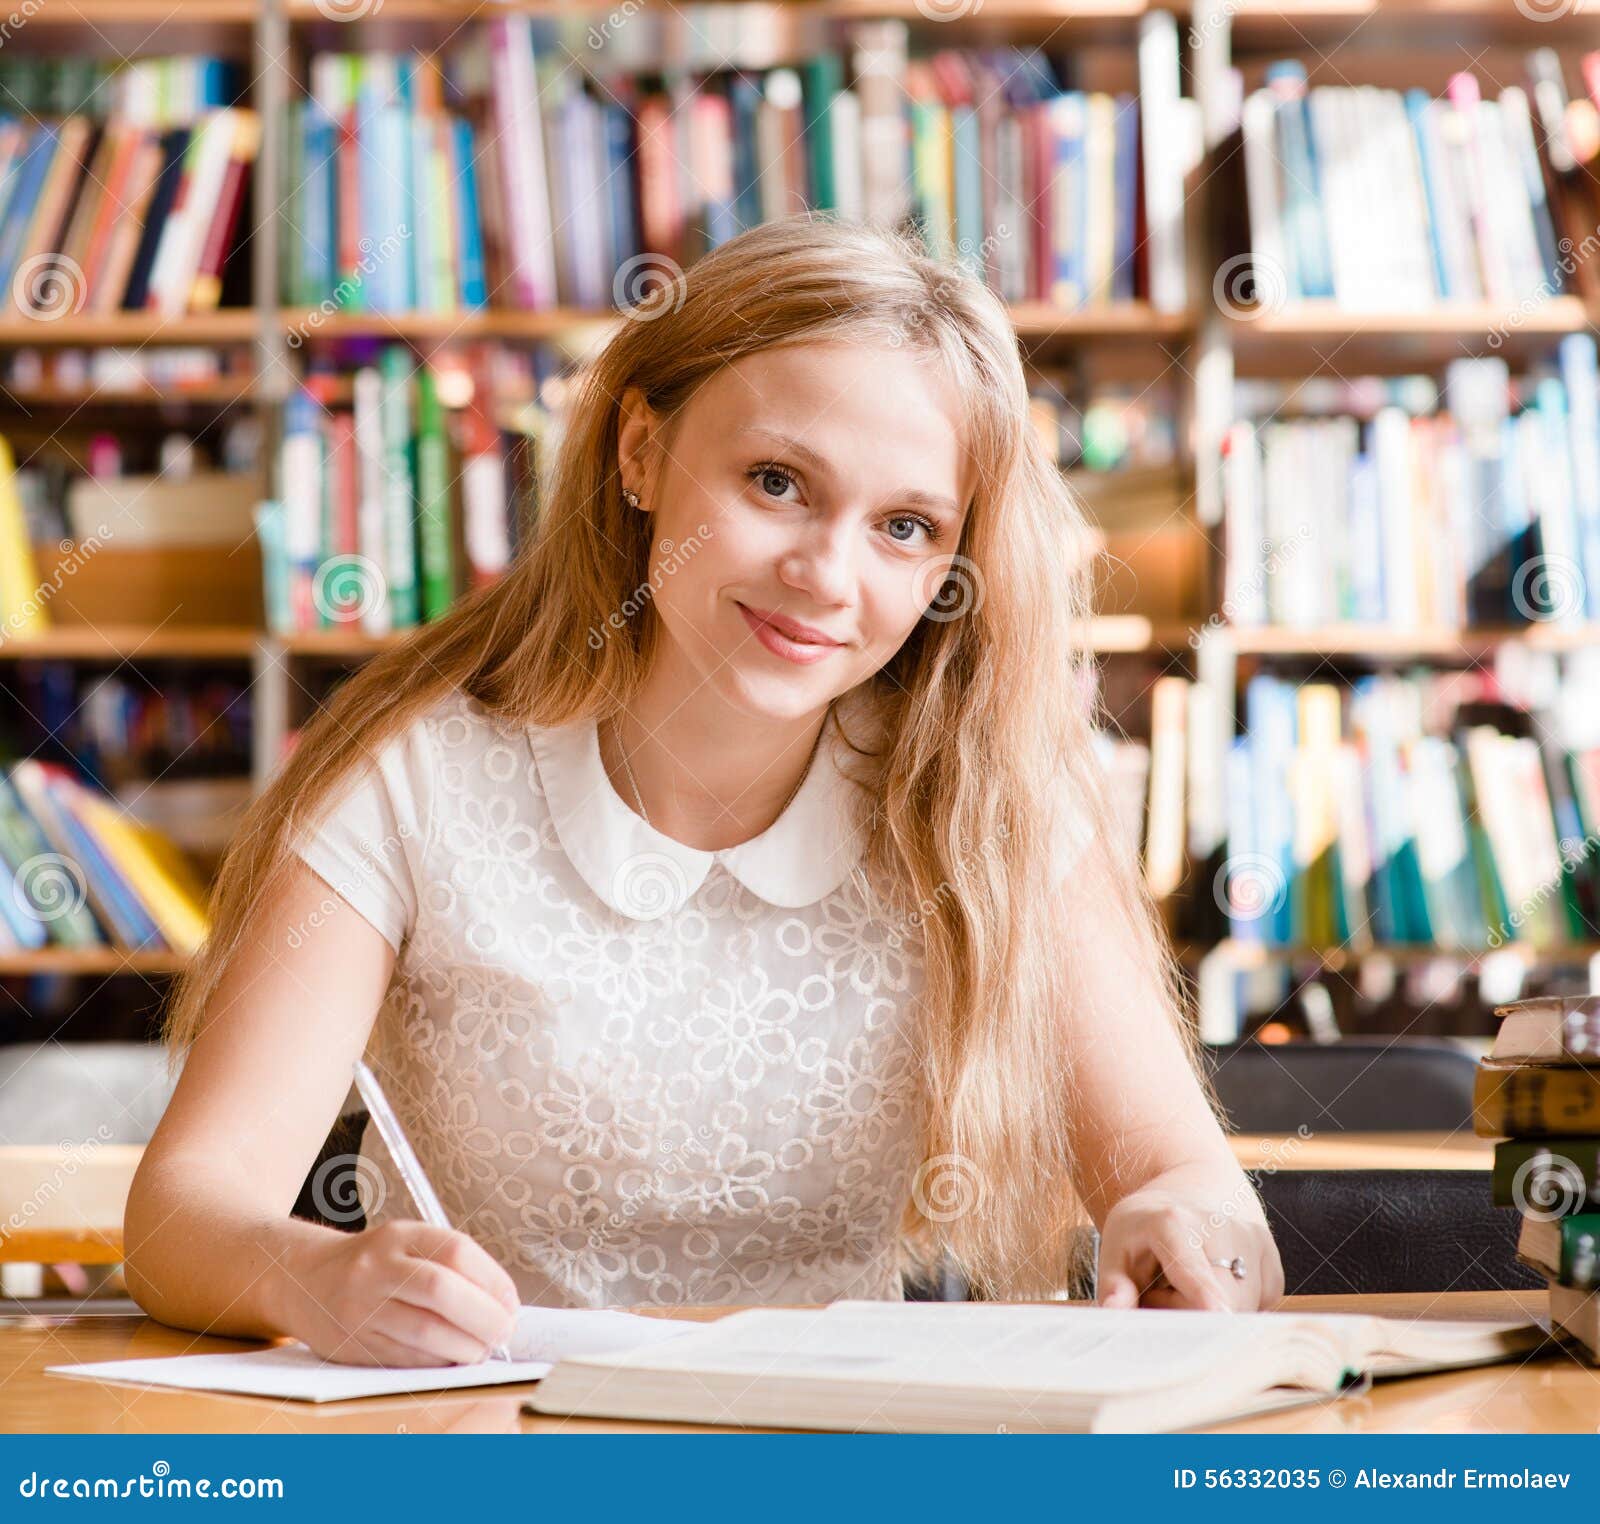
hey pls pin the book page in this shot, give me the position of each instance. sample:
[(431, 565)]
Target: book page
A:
[(1061, 1347), (542, 1336)]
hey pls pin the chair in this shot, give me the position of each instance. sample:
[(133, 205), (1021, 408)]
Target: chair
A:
[(1414, 1085), (331, 1181), (1384, 1230)]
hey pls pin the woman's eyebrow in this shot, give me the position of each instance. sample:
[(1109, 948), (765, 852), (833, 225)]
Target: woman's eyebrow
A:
[(932, 501)]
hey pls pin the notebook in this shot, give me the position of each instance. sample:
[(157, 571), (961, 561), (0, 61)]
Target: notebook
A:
[(543, 1335), (917, 1366)]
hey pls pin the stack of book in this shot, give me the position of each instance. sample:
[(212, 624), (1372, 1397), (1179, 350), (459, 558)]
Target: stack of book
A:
[(84, 873), (380, 518), (1401, 506), (443, 182), (1408, 810), (135, 210), (1539, 1092)]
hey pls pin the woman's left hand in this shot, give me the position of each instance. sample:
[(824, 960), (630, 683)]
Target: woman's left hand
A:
[(1160, 1245)]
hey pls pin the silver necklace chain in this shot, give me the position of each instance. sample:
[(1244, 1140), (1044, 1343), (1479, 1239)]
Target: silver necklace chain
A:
[(638, 799)]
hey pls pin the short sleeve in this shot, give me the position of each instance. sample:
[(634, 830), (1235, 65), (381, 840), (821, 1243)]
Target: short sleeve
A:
[(366, 841)]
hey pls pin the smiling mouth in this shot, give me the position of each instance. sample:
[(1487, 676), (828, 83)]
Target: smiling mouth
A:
[(791, 647)]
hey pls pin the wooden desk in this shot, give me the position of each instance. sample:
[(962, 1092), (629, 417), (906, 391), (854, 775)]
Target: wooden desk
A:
[(1363, 1150), (1551, 1394)]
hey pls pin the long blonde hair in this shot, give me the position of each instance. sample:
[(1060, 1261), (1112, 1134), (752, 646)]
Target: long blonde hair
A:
[(987, 708)]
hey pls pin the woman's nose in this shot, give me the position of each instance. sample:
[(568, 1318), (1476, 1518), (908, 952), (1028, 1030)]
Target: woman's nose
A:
[(822, 565)]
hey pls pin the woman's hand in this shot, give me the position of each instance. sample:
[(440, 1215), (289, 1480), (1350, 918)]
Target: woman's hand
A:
[(401, 1294), (1159, 1245)]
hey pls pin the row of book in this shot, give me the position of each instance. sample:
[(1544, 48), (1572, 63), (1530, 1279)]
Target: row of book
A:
[(106, 216), (113, 371), (1408, 810), (502, 174), (84, 873), (381, 516), (1538, 1093), (1484, 509), (1389, 199), (148, 92)]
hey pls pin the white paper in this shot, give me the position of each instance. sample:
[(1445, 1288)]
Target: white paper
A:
[(542, 1336)]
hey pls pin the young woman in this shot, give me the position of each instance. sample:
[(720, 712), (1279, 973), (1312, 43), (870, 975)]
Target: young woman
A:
[(728, 899)]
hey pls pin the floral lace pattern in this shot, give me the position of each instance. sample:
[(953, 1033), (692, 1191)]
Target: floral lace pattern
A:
[(709, 1098)]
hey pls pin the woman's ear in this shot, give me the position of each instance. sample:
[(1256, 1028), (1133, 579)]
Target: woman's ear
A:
[(636, 437)]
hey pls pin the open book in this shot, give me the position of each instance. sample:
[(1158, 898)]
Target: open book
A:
[(910, 1366)]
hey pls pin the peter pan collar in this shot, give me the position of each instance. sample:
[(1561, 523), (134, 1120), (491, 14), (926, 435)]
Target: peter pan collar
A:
[(638, 871)]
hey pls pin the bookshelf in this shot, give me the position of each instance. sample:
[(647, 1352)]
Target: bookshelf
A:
[(1205, 347)]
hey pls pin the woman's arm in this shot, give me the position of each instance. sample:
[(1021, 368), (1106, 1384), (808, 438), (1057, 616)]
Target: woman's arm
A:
[(210, 1244), (1153, 1165)]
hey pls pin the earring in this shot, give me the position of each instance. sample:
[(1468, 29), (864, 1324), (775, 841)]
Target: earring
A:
[(630, 497)]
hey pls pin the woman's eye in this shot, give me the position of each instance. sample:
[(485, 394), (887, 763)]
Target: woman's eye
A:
[(911, 522), (765, 475)]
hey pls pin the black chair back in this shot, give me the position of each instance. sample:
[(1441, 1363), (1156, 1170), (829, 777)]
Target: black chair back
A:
[(1349, 1086)]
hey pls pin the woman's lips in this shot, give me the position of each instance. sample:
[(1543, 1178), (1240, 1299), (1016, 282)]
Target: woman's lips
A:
[(775, 640)]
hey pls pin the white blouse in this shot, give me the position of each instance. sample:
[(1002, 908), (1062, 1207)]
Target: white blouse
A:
[(635, 1072)]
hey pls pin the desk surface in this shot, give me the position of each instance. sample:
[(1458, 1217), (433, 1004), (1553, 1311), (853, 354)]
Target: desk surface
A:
[(1551, 1394)]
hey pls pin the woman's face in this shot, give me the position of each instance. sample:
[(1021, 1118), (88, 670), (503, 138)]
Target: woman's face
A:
[(803, 516)]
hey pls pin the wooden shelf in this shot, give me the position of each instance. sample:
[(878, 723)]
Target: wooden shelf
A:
[(1291, 23), (1252, 955), (340, 642), (170, 642), (1381, 643), (453, 12), (211, 394), (232, 326), (1329, 321), (90, 960), (145, 13), (1033, 320), (313, 325)]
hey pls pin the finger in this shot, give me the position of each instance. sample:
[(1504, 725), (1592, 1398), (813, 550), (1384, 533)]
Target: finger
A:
[(440, 1290), (1191, 1274), (463, 1254), (433, 1339), (371, 1348), (1116, 1290)]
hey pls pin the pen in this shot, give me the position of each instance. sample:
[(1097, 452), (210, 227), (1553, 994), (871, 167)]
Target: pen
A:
[(406, 1160)]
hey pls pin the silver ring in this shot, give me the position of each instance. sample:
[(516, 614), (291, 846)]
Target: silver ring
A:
[(1234, 1266)]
